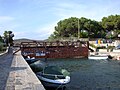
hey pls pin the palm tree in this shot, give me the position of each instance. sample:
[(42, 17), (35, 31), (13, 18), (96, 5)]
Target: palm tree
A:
[(8, 36)]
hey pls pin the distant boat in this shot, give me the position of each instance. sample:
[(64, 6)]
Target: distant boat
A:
[(53, 76), (98, 57), (30, 60)]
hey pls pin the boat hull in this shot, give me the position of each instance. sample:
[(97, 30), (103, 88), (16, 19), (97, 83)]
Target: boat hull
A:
[(98, 57), (54, 83)]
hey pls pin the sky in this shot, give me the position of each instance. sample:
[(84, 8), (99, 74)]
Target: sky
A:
[(36, 19)]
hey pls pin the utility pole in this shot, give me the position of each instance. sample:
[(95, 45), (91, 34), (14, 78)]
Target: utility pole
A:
[(8, 36), (78, 29)]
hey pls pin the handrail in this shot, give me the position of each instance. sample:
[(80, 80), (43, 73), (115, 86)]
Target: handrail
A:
[(16, 51), (52, 74)]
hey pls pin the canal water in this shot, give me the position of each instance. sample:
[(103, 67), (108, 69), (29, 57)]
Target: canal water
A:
[(90, 74)]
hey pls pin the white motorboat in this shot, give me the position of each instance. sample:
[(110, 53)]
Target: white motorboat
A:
[(53, 76), (98, 57), (31, 60)]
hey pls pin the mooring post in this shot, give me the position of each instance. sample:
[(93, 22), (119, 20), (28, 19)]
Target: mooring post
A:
[(88, 44)]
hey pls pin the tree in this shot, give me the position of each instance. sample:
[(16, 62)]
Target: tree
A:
[(66, 28), (69, 28), (1, 40), (111, 24), (94, 29), (8, 36)]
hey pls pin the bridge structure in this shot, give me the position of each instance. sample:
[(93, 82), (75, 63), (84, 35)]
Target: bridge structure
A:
[(56, 49), (17, 74)]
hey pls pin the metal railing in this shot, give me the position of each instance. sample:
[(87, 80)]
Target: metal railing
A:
[(69, 39)]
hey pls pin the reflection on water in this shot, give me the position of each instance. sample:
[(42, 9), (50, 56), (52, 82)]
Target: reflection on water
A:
[(90, 74)]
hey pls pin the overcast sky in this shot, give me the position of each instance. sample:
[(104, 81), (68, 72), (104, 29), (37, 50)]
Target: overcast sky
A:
[(36, 19)]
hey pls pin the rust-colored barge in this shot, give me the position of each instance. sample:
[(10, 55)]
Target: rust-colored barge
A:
[(58, 49)]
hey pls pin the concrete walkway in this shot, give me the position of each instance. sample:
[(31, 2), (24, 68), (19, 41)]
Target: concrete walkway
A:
[(5, 64), (15, 74)]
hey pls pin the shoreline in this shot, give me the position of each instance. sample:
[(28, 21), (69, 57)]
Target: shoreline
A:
[(114, 55)]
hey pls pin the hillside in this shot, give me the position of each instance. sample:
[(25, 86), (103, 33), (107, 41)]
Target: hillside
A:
[(18, 41)]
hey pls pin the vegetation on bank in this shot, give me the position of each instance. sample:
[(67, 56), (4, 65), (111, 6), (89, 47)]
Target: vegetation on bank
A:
[(6, 40), (2, 47), (82, 27)]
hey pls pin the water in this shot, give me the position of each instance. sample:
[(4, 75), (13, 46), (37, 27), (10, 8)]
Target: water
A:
[(90, 74)]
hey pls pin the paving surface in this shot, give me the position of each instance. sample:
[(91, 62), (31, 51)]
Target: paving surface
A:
[(5, 68), (15, 74)]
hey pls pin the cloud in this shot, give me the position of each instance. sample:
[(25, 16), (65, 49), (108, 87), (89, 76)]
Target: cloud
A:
[(94, 10), (49, 28), (40, 33), (45, 31), (20, 34), (37, 18), (71, 9), (7, 23), (4, 19)]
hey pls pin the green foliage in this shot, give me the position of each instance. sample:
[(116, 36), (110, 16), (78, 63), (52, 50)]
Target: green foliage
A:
[(111, 24), (8, 36), (1, 40), (69, 27), (2, 47), (101, 47), (66, 28), (92, 45)]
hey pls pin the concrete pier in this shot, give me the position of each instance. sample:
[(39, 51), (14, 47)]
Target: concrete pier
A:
[(5, 68), (15, 74)]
